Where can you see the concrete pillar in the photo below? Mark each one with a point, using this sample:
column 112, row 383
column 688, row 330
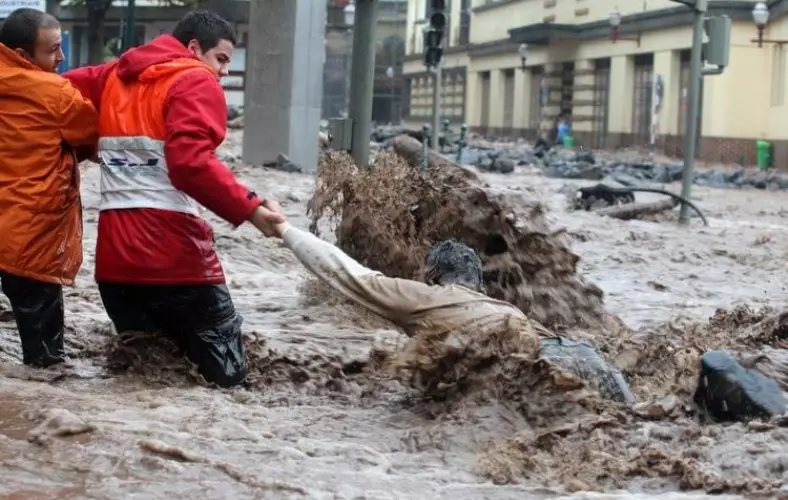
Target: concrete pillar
column 552, row 77
column 667, row 64
column 473, row 102
column 583, row 97
column 284, row 81
column 622, row 94
column 522, row 98
column 496, row 98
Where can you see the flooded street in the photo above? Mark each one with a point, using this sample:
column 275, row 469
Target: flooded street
column 316, row 431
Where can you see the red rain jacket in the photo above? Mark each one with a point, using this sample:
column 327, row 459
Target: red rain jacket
column 159, row 95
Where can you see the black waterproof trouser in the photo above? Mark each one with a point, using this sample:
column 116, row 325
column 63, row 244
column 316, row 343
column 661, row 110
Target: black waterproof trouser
column 38, row 310
column 200, row 319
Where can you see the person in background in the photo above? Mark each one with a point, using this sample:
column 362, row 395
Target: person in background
column 162, row 114
column 563, row 129
column 46, row 124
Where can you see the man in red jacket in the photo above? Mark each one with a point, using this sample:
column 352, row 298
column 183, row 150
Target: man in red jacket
column 162, row 114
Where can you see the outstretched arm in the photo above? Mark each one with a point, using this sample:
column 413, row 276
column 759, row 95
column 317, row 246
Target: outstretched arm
column 392, row 298
column 195, row 120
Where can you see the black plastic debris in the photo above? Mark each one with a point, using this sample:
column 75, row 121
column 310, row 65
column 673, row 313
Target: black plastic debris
column 729, row 392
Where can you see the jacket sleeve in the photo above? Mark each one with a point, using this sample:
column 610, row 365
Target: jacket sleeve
column 392, row 298
column 90, row 81
column 196, row 124
column 78, row 118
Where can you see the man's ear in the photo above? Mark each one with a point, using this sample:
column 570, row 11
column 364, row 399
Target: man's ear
column 21, row 53
column 194, row 47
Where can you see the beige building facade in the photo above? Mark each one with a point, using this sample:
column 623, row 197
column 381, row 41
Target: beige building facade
column 631, row 92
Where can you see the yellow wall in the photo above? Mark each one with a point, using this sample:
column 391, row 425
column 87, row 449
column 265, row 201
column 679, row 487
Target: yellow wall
column 747, row 101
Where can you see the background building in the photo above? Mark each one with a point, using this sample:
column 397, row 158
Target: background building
column 627, row 93
column 154, row 19
column 389, row 55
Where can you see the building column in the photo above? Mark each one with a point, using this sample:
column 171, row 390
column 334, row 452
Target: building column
column 667, row 65
column 550, row 112
column 522, row 99
column 284, row 81
column 473, row 106
column 622, row 95
column 583, row 97
column 496, row 99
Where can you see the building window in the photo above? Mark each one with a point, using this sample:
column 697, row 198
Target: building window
column 641, row 106
column 600, row 102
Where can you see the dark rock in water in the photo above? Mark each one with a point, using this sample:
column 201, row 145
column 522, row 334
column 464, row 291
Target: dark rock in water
column 582, row 360
column 284, row 164
column 627, row 180
column 728, row 391
column 712, row 179
column 233, row 112
column 504, row 165
column 585, row 155
column 485, row 163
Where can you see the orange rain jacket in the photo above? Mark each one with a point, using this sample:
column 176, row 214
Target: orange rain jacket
column 43, row 120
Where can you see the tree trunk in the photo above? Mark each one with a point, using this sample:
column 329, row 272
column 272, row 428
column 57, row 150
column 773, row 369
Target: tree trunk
column 411, row 149
column 97, row 11
column 635, row 210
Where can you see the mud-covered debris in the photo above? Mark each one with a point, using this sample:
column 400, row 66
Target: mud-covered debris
column 390, row 215
column 582, row 360
column 58, row 422
column 170, row 451
column 656, row 410
column 728, row 391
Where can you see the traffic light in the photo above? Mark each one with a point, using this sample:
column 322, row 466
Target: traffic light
column 433, row 36
column 717, row 50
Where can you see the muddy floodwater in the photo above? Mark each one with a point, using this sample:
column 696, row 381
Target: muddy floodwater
column 312, row 432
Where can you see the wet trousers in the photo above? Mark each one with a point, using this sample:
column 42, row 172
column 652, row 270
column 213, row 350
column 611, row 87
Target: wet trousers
column 38, row 310
column 200, row 319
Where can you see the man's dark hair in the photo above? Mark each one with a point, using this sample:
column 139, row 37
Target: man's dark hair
column 451, row 262
column 20, row 29
column 206, row 27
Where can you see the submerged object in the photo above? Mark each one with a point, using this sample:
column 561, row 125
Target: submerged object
column 582, row 360
column 728, row 391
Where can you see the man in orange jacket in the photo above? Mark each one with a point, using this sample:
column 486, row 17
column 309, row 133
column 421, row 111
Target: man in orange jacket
column 44, row 122
column 162, row 114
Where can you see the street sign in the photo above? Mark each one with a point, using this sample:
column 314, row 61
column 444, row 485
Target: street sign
column 8, row 6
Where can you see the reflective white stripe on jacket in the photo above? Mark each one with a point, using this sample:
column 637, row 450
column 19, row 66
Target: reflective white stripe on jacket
column 134, row 175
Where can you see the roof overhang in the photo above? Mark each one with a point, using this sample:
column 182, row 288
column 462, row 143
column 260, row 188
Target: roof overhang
column 544, row 33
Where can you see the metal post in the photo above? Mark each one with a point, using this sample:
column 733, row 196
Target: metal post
column 691, row 135
column 425, row 134
column 436, row 107
column 128, row 35
column 363, row 78
column 461, row 143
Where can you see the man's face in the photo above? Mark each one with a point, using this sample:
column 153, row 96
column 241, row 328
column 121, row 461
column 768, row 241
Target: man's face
column 48, row 53
column 218, row 58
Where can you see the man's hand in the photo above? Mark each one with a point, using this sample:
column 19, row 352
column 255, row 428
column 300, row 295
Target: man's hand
column 269, row 219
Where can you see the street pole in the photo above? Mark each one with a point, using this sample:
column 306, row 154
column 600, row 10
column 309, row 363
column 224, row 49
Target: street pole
column 436, row 107
column 128, row 35
column 362, row 79
column 700, row 8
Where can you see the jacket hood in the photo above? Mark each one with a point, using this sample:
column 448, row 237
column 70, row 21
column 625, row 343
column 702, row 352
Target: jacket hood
column 157, row 59
column 10, row 59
